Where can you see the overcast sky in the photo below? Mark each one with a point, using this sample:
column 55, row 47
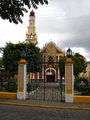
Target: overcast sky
column 64, row 22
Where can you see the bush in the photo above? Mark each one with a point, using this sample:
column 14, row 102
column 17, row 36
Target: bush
column 82, row 85
column 2, row 89
column 12, row 86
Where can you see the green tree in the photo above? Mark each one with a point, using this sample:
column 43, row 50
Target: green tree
column 14, row 9
column 79, row 64
column 62, row 65
column 1, row 62
column 12, row 55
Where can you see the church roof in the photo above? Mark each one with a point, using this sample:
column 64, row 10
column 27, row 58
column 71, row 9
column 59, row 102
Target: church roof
column 54, row 45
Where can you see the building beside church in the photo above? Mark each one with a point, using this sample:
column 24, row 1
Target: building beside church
column 51, row 52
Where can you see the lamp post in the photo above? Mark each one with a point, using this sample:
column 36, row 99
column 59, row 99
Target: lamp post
column 69, row 53
column 23, row 54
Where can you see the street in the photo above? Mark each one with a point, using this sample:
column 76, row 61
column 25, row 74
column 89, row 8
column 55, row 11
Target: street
column 10, row 112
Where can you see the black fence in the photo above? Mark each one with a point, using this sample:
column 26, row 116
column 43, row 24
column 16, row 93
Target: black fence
column 48, row 87
column 46, row 91
column 8, row 84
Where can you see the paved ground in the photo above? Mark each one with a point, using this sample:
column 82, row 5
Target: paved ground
column 10, row 112
column 43, row 109
column 45, row 103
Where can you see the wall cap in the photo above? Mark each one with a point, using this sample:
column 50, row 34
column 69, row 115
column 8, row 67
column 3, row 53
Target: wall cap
column 68, row 60
column 22, row 61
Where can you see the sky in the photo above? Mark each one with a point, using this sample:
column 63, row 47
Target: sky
column 64, row 22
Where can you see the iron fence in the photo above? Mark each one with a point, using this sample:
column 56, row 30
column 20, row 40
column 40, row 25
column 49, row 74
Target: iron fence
column 7, row 84
column 50, row 86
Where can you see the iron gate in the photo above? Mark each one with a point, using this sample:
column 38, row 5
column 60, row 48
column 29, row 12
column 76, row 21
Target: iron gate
column 48, row 87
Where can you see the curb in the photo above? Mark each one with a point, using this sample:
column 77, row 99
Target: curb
column 42, row 106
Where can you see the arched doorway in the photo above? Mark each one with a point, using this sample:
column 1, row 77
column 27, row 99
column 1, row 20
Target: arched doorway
column 50, row 75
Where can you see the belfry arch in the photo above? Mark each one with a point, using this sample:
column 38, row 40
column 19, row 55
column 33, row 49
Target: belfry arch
column 50, row 74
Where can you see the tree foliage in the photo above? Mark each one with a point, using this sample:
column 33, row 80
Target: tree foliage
column 79, row 64
column 62, row 66
column 14, row 9
column 1, row 62
column 12, row 55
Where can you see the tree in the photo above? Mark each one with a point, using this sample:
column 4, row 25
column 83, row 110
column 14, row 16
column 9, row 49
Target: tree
column 62, row 65
column 79, row 64
column 1, row 62
column 12, row 55
column 14, row 9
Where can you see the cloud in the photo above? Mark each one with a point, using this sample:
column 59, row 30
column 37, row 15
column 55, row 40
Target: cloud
column 65, row 22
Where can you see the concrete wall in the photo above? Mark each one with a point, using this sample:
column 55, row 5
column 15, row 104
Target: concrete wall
column 8, row 95
column 81, row 99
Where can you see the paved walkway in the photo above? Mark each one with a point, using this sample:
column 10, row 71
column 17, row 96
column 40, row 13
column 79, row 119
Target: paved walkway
column 47, row 104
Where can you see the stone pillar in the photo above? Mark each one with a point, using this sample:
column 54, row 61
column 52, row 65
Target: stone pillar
column 21, row 93
column 33, row 75
column 69, row 80
column 38, row 75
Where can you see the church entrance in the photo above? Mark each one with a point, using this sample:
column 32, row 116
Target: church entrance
column 48, row 88
column 50, row 78
column 50, row 75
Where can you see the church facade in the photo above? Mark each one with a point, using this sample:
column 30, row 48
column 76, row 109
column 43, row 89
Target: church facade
column 51, row 53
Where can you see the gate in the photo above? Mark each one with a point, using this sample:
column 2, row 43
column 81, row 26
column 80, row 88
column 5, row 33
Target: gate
column 47, row 85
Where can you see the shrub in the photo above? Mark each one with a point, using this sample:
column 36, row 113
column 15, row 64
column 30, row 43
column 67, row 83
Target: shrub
column 12, row 86
column 82, row 85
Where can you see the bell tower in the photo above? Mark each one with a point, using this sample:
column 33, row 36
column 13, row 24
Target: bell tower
column 31, row 33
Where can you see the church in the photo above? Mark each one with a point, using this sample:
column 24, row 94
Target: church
column 51, row 53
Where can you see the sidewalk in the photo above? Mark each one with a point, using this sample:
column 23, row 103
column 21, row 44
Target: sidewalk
column 45, row 104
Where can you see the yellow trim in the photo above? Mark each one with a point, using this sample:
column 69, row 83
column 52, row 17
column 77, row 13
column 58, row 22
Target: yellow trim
column 21, row 78
column 68, row 91
column 8, row 95
column 81, row 99
column 68, row 60
column 22, row 61
column 42, row 106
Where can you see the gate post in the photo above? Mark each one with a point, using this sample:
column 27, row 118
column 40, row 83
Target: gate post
column 69, row 80
column 21, row 93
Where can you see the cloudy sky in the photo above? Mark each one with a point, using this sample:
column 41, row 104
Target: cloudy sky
column 65, row 22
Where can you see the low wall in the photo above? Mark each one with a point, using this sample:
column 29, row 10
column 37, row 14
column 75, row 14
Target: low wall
column 8, row 95
column 81, row 99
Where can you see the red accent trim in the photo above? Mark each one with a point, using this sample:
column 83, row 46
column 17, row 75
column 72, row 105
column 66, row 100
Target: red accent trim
column 40, row 75
column 50, row 44
column 60, row 57
column 30, row 27
column 56, row 58
column 43, row 51
column 31, row 75
column 58, row 51
column 31, row 20
column 35, row 75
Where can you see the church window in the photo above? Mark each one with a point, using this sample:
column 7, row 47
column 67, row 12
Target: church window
column 50, row 59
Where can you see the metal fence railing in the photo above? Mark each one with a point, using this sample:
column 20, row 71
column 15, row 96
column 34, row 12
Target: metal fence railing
column 8, row 84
